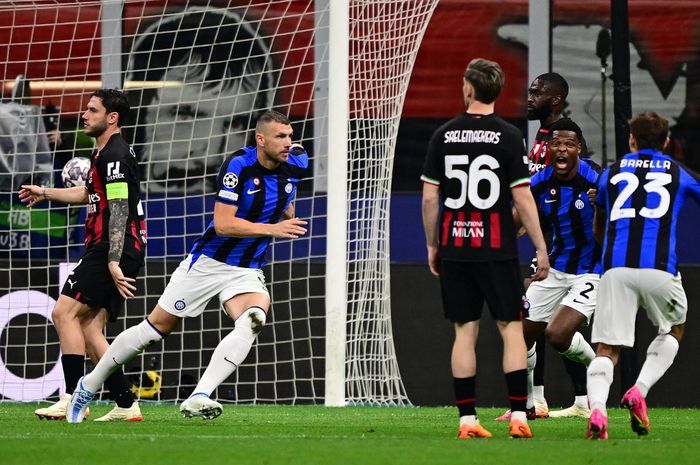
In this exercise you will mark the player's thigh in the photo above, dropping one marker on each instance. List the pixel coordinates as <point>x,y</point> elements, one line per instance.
<point>192,286</point>
<point>90,280</point>
<point>545,296</point>
<point>502,285</point>
<point>462,298</point>
<point>664,298</point>
<point>91,283</point>
<point>582,294</point>
<point>616,308</point>
<point>244,290</point>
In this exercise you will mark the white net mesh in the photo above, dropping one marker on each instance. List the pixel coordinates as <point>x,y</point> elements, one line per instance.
<point>197,75</point>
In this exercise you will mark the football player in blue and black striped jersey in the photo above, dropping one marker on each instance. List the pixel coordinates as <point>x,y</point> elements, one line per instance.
<point>254,203</point>
<point>638,203</point>
<point>566,299</point>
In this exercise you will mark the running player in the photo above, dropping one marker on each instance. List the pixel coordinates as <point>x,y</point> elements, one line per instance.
<point>254,203</point>
<point>639,200</point>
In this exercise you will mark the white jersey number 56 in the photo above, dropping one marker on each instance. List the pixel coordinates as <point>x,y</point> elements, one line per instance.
<point>479,170</point>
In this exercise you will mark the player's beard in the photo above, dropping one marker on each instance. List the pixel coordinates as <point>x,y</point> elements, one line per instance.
<point>96,130</point>
<point>540,113</point>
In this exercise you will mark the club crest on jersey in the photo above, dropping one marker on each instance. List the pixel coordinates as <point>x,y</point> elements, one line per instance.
<point>288,188</point>
<point>230,180</point>
<point>180,305</point>
<point>579,204</point>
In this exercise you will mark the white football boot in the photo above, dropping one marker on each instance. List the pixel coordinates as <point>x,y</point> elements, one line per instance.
<point>200,405</point>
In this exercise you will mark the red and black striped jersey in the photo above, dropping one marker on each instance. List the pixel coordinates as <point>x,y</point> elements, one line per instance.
<point>115,165</point>
<point>476,160</point>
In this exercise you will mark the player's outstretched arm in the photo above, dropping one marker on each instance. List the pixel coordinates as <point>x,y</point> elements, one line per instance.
<point>227,224</point>
<point>31,194</point>
<point>525,205</point>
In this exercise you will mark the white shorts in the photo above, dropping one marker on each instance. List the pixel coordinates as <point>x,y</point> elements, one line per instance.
<point>578,291</point>
<point>624,290</point>
<point>191,288</point>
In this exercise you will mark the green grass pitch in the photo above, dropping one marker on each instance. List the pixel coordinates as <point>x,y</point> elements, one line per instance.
<point>265,434</point>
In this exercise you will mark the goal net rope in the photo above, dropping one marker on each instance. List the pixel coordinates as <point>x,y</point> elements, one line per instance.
<point>198,73</point>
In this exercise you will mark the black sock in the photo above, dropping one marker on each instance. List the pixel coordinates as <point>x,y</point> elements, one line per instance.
<point>73,370</point>
<point>577,373</point>
<point>119,389</point>
<point>464,395</point>
<point>517,390</point>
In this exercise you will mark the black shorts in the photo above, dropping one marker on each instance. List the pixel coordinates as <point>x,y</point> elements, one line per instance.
<point>466,285</point>
<point>91,283</point>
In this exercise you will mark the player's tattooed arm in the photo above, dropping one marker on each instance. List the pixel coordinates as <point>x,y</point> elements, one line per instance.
<point>118,215</point>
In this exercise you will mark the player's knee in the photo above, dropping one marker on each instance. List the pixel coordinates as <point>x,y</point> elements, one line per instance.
<point>252,319</point>
<point>557,339</point>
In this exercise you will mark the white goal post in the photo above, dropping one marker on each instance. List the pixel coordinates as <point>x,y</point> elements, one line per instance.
<point>197,74</point>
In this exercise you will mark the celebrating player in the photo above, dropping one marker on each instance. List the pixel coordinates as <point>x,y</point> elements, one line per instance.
<point>546,98</point>
<point>639,200</point>
<point>566,299</point>
<point>475,166</point>
<point>115,239</point>
<point>254,203</point>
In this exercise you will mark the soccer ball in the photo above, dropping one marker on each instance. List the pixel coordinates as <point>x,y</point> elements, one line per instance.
<point>75,172</point>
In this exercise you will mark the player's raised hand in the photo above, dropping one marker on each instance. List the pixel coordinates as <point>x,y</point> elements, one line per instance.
<point>31,195</point>
<point>123,283</point>
<point>290,229</point>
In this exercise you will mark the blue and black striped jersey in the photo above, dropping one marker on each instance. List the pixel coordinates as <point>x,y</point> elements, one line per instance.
<point>261,196</point>
<point>566,211</point>
<point>642,195</point>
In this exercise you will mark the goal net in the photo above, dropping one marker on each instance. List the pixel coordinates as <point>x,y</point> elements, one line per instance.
<point>198,74</point>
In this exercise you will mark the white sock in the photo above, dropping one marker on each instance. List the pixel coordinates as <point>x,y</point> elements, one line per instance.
<point>468,420</point>
<point>126,346</point>
<point>660,355</point>
<point>531,362</point>
<point>599,378</point>
<point>538,394</point>
<point>232,350</point>
<point>581,401</point>
<point>579,350</point>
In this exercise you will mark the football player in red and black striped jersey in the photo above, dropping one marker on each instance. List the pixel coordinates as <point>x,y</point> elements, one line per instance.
<point>475,168</point>
<point>115,239</point>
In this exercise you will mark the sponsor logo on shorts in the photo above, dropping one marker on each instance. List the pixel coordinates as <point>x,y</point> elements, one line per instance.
<point>180,305</point>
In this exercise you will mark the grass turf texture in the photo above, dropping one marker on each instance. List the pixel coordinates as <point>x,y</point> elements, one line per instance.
<point>318,435</point>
